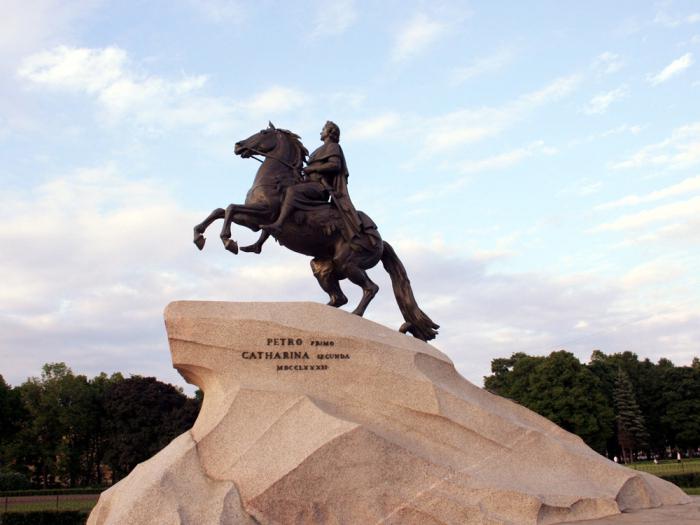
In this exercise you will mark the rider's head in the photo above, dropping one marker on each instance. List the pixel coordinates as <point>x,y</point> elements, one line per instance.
<point>332,130</point>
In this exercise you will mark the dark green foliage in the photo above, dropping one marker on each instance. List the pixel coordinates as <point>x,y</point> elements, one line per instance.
<point>631,431</point>
<point>667,398</point>
<point>62,436</point>
<point>681,418</point>
<point>690,479</point>
<point>44,517</point>
<point>144,415</point>
<point>558,387</point>
<point>13,480</point>
<point>11,411</point>
<point>63,430</point>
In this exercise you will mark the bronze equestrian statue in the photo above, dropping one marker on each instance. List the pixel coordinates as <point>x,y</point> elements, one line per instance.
<point>291,203</point>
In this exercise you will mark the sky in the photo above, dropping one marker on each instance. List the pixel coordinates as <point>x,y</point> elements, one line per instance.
<point>536,166</point>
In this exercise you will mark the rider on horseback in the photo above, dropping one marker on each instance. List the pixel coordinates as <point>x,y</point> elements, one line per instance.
<point>326,174</point>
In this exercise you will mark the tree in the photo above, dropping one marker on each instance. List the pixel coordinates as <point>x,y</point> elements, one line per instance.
<point>558,387</point>
<point>61,440</point>
<point>681,399</point>
<point>12,418</point>
<point>11,412</point>
<point>631,430</point>
<point>142,416</point>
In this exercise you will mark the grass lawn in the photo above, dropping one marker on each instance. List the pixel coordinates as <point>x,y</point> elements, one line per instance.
<point>32,503</point>
<point>667,467</point>
<point>693,491</point>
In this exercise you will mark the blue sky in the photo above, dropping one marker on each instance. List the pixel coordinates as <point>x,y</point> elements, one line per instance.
<point>535,166</point>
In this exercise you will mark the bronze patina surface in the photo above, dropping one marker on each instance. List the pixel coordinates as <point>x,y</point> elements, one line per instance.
<point>308,210</point>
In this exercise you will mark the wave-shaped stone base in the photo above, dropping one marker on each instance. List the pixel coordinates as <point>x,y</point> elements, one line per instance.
<point>355,424</point>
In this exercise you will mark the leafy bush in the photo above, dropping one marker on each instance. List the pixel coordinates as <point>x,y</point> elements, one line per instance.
<point>44,517</point>
<point>689,479</point>
<point>13,481</point>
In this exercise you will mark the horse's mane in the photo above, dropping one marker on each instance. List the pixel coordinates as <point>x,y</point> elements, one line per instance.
<point>300,152</point>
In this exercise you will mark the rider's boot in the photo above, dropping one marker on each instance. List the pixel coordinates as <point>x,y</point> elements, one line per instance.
<point>276,227</point>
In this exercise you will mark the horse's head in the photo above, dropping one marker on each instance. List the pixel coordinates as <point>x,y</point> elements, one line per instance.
<point>262,142</point>
<point>287,147</point>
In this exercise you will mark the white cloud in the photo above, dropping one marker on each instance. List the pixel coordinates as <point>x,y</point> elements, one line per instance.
<point>470,125</point>
<point>125,92</point>
<point>108,75</point>
<point>667,212</point>
<point>608,63</point>
<point>634,129</point>
<point>666,19</point>
<point>275,99</point>
<point>685,231</point>
<point>486,314</point>
<point>507,159</point>
<point>92,273</point>
<point>583,187</point>
<point>681,150</point>
<point>659,270</point>
<point>27,25</point>
<point>416,35</point>
<point>689,185</point>
<point>220,10</point>
<point>373,127</point>
<point>624,128</point>
<point>481,66</point>
<point>333,17</point>
<point>677,66</point>
<point>600,103</point>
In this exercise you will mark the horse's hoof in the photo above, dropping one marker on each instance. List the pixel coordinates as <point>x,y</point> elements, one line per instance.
<point>199,241</point>
<point>231,246</point>
<point>337,302</point>
<point>253,248</point>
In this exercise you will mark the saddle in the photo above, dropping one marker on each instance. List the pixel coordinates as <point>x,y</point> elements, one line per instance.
<point>327,220</point>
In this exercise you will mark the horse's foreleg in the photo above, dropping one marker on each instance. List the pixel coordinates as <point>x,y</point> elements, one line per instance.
<point>199,230</point>
<point>225,234</point>
<point>256,247</point>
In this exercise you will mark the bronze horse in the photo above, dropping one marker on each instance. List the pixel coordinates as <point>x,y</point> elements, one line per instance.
<point>316,233</point>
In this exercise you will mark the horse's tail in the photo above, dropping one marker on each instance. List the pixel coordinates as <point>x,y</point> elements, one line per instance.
<point>417,322</point>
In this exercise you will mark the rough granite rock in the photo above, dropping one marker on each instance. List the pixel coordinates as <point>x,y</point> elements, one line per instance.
<point>387,433</point>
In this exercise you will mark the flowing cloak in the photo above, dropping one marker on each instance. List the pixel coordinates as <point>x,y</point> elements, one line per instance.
<point>338,181</point>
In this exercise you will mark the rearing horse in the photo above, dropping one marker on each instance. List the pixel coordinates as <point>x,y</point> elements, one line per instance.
<point>317,233</point>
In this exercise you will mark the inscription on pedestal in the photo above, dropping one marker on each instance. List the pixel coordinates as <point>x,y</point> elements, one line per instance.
<point>314,358</point>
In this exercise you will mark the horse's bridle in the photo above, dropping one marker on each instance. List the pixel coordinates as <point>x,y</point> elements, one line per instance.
<point>268,156</point>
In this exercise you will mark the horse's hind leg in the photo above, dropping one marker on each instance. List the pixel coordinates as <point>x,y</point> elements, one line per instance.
<point>325,275</point>
<point>199,230</point>
<point>369,289</point>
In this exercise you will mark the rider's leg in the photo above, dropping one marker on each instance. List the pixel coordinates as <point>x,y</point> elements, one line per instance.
<point>285,211</point>
<point>256,247</point>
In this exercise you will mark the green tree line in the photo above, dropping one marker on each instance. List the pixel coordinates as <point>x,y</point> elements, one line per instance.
<point>65,430</point>
<point>616,403</point>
